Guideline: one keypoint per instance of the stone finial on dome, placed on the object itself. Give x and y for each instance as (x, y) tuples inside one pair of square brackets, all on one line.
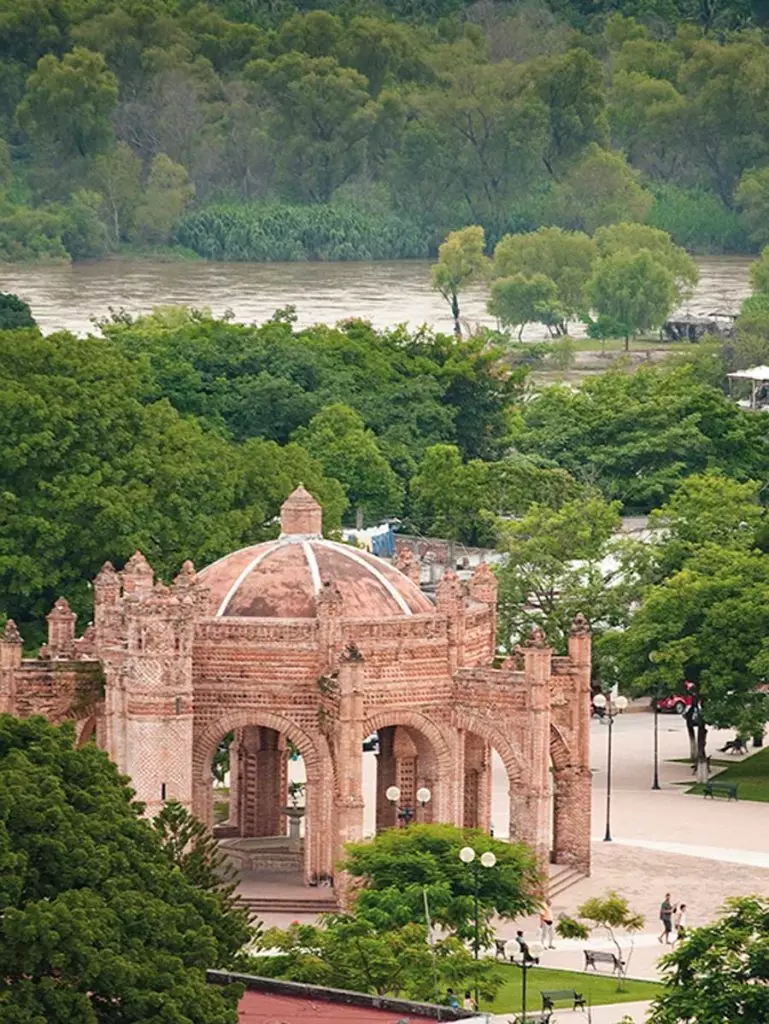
[(11, 634), (300, 514), (580, 626)]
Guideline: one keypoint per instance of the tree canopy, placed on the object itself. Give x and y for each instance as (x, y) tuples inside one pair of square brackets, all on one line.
[(98, 923)]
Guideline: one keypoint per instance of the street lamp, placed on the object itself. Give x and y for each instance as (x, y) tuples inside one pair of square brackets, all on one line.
[(611, 706), (487, 860), (653, 658), (529, 958), (405, 814)]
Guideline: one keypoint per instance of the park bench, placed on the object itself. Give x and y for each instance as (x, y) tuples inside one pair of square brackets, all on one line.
[(560, 995), (499, 948), (729, 789), (533, 1017), (596, 956)]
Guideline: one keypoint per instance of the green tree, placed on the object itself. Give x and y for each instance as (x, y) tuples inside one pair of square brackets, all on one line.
[(566, 257), (14, 313), (759, 273), (68, 103), (166, 194), (707, 508), (338, 438), (563, 561), (635, 436), (601, 188), (117, 176), (752, 194), (400, 865), (608, 912), (352, 951), (635, 237), (706, 624), (461, 260), (448, 496), (518, 300), (97, 919), (720, 971), (631, 292), (571, 85)]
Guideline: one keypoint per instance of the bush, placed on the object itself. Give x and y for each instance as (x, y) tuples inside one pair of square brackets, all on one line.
[(698, 220), (279, 231), (14, 313)]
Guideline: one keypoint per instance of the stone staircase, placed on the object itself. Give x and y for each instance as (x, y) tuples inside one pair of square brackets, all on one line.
[(289, 904), (562, 877)]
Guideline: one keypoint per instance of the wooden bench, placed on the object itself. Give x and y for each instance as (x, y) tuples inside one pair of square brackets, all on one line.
[(729, 789), (559, 995), (597, 956), (499, 948), (533, 1017)]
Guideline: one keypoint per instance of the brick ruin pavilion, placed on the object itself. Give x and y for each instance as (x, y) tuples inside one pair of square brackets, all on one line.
[(304, 640)]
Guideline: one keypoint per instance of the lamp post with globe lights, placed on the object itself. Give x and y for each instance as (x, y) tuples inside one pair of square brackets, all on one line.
[(486, 860), (611, 706), (406, 814), (529, 958)]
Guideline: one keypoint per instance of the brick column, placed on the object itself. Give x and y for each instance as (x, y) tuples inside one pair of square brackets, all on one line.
[(261, 782), (349, 750), (530, 806), (385, 777), (477, 783), (573, 803), (61, 630), (11, 647)]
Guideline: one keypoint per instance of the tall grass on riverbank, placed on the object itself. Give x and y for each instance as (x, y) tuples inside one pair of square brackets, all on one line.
[(281, 232)]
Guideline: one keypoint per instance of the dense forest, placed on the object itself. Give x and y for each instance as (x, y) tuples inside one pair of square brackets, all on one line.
[(259, 129)]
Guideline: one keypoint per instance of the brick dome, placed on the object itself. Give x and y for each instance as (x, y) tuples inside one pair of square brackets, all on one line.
[(284, 578)]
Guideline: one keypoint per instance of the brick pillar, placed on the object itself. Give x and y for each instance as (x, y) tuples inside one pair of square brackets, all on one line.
[(385, 777), (450, 601), (482, 589), (61, 630), (530, 804), (233, 818), (477, 783), (262, 782), (349, 752), (11, 648), (573, 785)]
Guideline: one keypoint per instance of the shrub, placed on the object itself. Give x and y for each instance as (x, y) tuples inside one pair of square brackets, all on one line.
[(697, 220), (278, 231)]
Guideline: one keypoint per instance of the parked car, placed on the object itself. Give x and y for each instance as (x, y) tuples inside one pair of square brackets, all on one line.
[(676, 703)]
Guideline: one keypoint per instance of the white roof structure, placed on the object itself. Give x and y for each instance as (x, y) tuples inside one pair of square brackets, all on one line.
[(760, 373)]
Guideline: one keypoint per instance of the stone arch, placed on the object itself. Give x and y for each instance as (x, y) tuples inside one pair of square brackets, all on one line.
[(434, 749), (492, 733), (560, 754), (318, 852), (85, 730)]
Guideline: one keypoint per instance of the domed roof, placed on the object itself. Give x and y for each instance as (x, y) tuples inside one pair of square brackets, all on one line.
[(284, 578)]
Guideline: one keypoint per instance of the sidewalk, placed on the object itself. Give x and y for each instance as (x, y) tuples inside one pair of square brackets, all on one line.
[(610, 1014)]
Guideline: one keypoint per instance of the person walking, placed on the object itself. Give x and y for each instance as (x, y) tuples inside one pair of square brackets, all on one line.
[(680, 924), (666, 916), (546, 927), (468, 1003)]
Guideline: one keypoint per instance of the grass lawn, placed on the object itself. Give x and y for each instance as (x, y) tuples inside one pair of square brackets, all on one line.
[(598, 989), (751, 775)]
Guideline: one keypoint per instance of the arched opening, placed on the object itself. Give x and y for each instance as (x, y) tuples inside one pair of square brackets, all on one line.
[(263, 785), (409, 752)]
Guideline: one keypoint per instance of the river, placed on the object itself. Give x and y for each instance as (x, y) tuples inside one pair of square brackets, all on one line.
[(68, 297)]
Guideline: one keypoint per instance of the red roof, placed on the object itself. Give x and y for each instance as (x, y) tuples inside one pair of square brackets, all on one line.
[(270, 1008)]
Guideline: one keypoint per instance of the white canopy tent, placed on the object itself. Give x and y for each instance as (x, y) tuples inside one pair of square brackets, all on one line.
[(759, 390)]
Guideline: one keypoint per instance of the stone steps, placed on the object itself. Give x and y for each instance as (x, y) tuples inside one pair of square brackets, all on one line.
[(563, 878), (292, 904)]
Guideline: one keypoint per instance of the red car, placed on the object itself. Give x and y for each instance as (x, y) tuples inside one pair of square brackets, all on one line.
[(675, 703)]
